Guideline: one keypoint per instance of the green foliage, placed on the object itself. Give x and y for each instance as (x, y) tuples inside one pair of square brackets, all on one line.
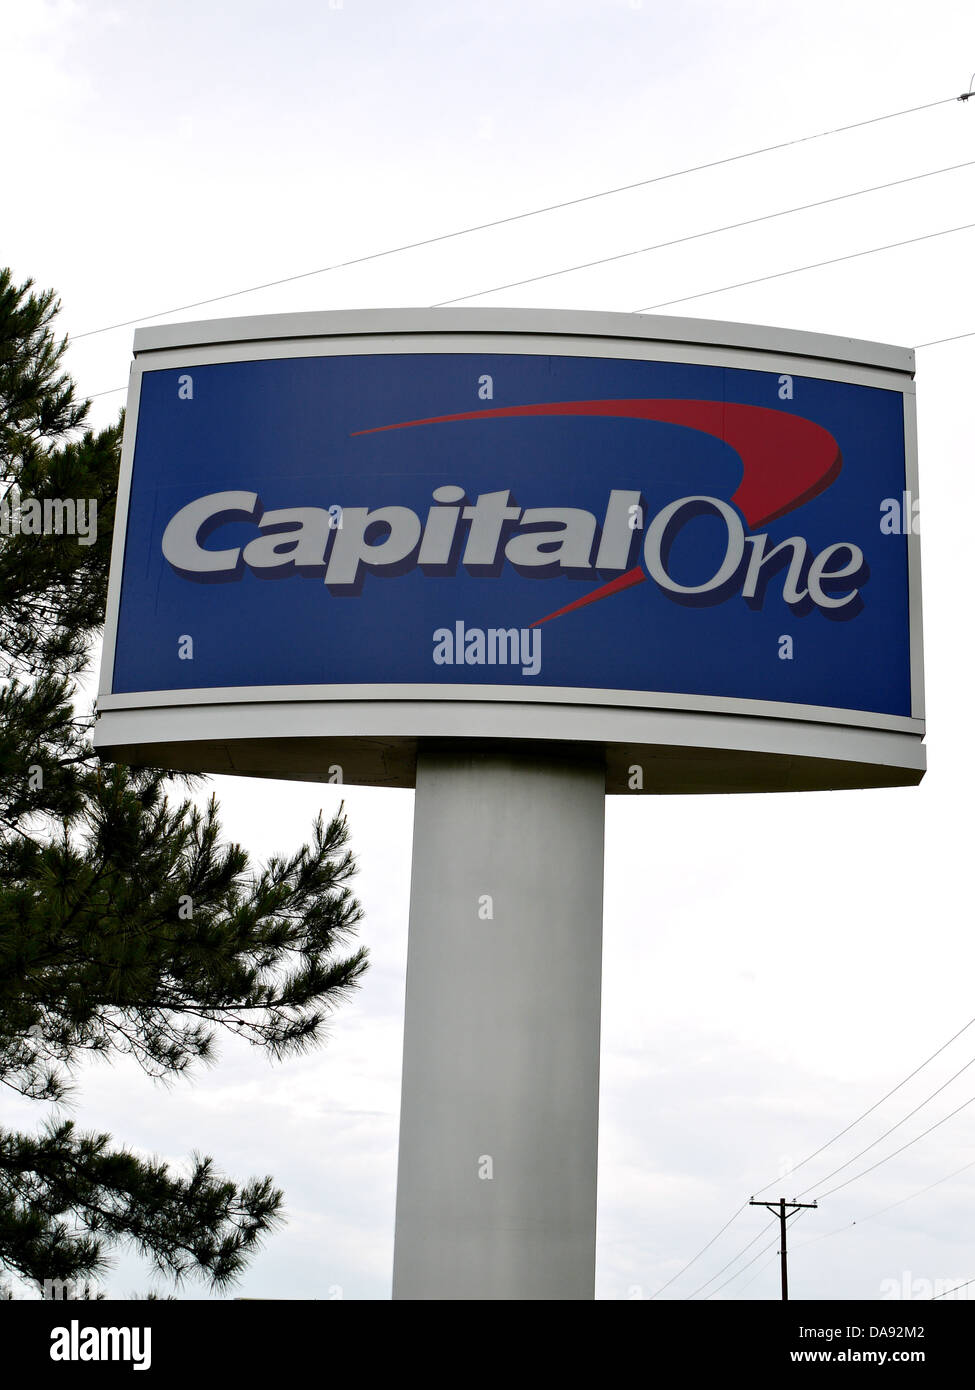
[(126, 924), (63, 1196), (52, 595)]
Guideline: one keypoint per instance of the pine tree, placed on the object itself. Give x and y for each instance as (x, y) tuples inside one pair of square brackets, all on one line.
[(127, 925)]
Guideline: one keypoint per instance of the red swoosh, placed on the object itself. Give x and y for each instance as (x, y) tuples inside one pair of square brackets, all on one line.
[(786, 459)]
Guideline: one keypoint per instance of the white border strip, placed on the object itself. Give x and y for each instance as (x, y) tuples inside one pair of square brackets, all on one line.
[(646, 328), (222, 726), (511, 695)]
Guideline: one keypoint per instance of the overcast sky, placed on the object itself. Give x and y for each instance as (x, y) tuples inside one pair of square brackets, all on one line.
[(773, 965)]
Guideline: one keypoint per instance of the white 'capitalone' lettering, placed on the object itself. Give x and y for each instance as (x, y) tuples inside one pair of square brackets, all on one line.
[(491, 530)]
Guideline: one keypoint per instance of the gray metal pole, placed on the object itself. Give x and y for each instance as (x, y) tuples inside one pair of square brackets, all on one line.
[(496, 1193)]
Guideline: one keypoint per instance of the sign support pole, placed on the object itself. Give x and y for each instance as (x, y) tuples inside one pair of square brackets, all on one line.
[(496, 1195)]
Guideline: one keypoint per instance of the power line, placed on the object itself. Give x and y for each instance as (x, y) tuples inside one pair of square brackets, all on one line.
[(676, 1276), (721, 1271), (741, 1271), (954, 1290), (882, 1211), (876, 1105), (886, 1132), (713, 231), (113, 391), (953, 339), (908, 1145), (872, 1215), (759, 1272), (522, 216), (815, 265), (850, 1126), (900, 1085), (764, 1250), (920, 1192)]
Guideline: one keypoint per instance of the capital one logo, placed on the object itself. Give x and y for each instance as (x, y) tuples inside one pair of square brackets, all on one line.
[(786, 459)]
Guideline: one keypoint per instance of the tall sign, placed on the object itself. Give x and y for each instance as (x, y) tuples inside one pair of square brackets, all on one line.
[(516, 559)]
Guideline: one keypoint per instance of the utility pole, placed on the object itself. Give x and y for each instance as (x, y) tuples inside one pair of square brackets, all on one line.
[(779, 1209)]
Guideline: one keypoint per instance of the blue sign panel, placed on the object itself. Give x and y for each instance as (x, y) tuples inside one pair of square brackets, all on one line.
[(459, 519)]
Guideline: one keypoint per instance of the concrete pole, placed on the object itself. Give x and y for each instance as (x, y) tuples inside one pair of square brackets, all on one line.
[(496, 1194)]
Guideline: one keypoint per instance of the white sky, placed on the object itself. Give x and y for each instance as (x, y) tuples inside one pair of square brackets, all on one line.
[(772, 965)]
